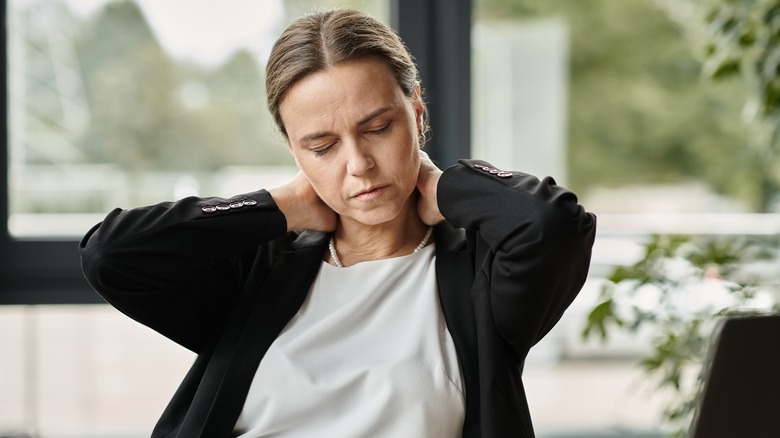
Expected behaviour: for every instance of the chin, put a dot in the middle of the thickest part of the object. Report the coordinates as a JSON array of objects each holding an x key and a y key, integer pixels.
[
  {"x": 374, "y": 219},
  {"x": 391, "y": 209},
  {"x": 376, "y": 216}
]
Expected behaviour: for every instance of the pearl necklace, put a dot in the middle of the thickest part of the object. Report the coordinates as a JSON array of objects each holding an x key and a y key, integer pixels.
[{"x": 335, "y": 257}]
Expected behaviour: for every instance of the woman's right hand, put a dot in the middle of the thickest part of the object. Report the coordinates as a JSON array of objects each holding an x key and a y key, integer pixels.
[
  {"x": 427, "y": 185},
  {"x": 302, "y": 207}
]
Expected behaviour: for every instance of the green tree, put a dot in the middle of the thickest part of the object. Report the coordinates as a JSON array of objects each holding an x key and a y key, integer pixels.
[
  {"x": 741, "y": 39},
  {"x": 223, "y": 120},
  {"x": 131, "y": 85},
  {"x": 254, "y": 135},
  {"x": 640, "y": 111},
  {"x": 151, "y": 111}
]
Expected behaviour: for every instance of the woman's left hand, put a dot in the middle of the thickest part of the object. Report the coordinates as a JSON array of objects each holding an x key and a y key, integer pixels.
[{"x": 427, "y": 182}]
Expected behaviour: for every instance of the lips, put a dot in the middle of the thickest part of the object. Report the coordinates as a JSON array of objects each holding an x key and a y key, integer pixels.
[{"x": 370, "y": 193}]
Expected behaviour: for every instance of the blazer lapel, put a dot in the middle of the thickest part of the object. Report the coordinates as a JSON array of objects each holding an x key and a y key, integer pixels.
[
  {"x": 284, "y": 292},
  {"x": 455, "y": 277},
  {"x": 282, "y": 295}
]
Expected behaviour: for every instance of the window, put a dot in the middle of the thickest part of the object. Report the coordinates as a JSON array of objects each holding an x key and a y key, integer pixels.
[
  {"x": 609, "y": 98},
  {"x": 122, "y": 103}
]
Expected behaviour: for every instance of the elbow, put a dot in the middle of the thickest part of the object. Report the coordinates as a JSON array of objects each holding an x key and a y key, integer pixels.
[
  {"x": 95, "y": 260},
  {"x": 567, "y": 222}
]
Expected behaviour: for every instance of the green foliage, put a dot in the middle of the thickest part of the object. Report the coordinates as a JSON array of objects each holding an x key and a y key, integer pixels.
[
  {"x": 151, "y": 111},
  {"x": 639, "y": 109},
  {"x": 677, "y": 291},
  {"x": 599, "y": 319},
  {"x": 741, "y": 40},
  {"x": 154, "y": 112}
]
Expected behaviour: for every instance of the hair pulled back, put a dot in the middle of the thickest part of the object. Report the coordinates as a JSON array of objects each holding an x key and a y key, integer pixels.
[{"x": 323, "y": 39}]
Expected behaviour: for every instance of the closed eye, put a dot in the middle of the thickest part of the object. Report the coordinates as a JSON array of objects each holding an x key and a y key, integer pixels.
[
  {"x": 322, "y": 151},
  {"x": 381, "y": 130}
]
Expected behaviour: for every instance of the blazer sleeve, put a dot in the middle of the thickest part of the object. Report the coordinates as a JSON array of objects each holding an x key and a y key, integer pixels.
[
  {"x": 539, "y": 241},
  {"x": 177, "y": 266}
]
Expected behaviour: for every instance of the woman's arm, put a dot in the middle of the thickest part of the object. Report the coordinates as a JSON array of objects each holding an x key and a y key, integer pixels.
[
  {"x": 539, "y": 236},
  {"x": 176, "y": 266}
]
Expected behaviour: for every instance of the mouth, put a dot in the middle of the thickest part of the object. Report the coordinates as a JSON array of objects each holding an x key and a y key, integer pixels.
[{"x": 370, "y": 193}]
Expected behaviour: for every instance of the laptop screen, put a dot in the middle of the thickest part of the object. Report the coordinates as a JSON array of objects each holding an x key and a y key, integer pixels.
[{"x": 741, "y": 393}]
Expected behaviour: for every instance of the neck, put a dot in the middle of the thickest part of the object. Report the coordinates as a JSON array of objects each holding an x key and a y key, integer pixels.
[{"x": 357, "y": 242}]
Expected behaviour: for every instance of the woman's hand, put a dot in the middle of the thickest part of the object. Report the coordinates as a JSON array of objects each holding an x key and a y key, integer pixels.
[
  {"x": 427, "y": 181},
  {"x": 302, "y": 207}
]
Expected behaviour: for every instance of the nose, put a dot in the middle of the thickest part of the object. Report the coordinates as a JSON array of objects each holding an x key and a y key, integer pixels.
[{"x": 359, "y": 160}]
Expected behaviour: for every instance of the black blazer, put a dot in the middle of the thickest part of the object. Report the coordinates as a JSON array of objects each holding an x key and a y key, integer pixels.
[{"x": 222, "y": 277}]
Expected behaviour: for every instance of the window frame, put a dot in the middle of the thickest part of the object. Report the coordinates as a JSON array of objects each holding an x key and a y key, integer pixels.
[{"x": 437, "y": 32}]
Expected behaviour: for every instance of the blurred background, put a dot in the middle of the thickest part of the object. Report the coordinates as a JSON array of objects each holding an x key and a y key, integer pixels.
[{"x": 660, "y": 115}]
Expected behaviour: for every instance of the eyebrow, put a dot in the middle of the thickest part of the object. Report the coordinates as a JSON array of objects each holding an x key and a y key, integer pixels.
[{"x": 366, "y": 119}]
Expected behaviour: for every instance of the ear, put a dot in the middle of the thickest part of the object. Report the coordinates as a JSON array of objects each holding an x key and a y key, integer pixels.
[{"x": 419, "y": 106}]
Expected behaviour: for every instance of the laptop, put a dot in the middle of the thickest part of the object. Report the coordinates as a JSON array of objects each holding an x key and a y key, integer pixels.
[{"x": 741, "y": 393}]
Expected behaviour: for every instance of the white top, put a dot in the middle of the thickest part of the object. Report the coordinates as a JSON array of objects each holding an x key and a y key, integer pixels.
[{"x": 368, "y": 354}]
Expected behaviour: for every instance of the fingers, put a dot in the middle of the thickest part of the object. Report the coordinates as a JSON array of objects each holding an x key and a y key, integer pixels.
[
  {"x": 302, "y": 207},
  {"x": 427, "y": 182}
]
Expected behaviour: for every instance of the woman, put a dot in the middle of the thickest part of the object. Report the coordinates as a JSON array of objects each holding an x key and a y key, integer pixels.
[{"x": 372, "y": 295}]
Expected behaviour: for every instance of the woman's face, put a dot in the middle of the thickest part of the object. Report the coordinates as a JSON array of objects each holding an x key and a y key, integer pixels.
[{"x": 354, "y": 134}]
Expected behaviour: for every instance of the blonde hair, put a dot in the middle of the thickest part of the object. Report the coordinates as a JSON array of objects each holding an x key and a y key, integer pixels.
[{"x": 322, "y": 39}]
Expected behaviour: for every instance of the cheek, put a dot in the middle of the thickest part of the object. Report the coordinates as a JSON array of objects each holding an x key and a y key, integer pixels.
[
  {"x": 407, "y": 169},
  {"x": 411, "y": 156}
]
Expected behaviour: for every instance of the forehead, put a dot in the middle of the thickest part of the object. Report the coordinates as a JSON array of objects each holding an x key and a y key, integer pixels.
[{"x": 342, "y": 93}]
